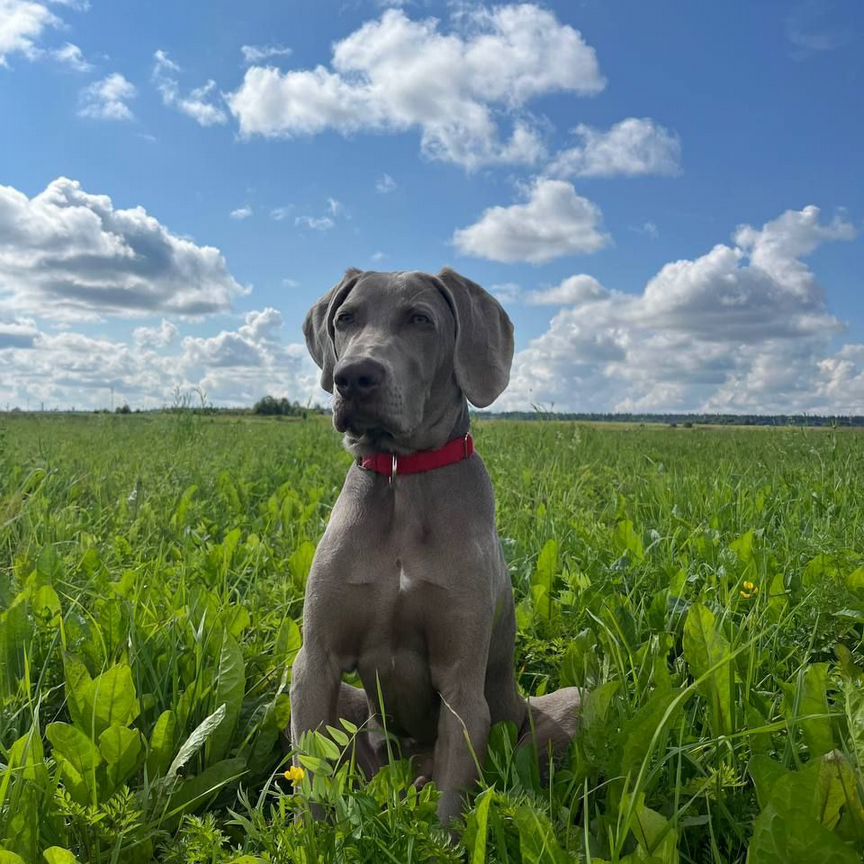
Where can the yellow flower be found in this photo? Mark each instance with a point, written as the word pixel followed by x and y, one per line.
pixel 295 774
pixel 751 589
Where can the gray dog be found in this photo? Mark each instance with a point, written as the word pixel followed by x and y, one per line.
pixel 409 586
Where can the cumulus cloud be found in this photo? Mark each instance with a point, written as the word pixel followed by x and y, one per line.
pixel 573 291
pixel 395 74
pixel 66 254
pixel 17 334
pixel 241 212
pixel 260 53
pixel 106 99
pixel 71 55
pixel 156 337
pixel 553 222
pixel 506 292
pixel 742 328
pixel 198 104
pixel 234 367
pixel 22 23
pixel 633 147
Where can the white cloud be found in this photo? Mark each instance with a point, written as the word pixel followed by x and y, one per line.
pixel 280 213
pixel 70 55
pixel 506 292
pixel 198 104
pixel 241 212
pixel 106 99
pixel 316 223
pixel 17 334
pixel 395 74
pixel 156 337
pixel 743 328
pixel 22 23
pixel 553 222
pixel 573 291
pixel 66 254
pixel 233 367
pixel 384 184
pixel 260 53
pixel 636 146
pixel 336 208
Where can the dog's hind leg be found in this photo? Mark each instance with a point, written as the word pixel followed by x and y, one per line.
pixel 551 724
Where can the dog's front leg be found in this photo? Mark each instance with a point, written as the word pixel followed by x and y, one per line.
pixel 463 720
pixel 315 682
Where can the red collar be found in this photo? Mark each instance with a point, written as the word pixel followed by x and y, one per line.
pixel 391 464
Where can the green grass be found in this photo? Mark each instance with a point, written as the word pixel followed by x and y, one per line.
pixel 151 580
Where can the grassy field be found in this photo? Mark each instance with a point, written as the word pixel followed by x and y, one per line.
pixel 705 585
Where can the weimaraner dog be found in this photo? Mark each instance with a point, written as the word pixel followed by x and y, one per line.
pixel 409 586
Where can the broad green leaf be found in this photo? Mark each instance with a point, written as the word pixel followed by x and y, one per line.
pixel 818 569
pixel 110 698
pixel 743 547
pixel 59 855
pixel 49 566
pixel 120 748
pixel 760 742
pixel 79 758
pixel 579 667
pixel 628 540
pixel 765 773
pixel 639 732
pixel 288 643
pixel 163 740
pixel 813 702
pixel 595 708
pixel 547 567
pixel 704 648
pixel 78 682
pixel 45 602
pixel 542 602
pixel 230 687
pixel 16 631
pixel 300 562
pixel 853 693
pixel 184 506
pixel 657 839
pixel 7 857
pixel 788 835
pixel 229 546
pixel 855 580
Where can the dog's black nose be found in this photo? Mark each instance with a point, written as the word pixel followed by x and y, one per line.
pixel 358 379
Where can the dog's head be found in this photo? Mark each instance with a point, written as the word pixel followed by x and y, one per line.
pixel 400 350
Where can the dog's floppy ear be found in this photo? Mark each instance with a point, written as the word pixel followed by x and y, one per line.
pixel 318 326
pixel 484 339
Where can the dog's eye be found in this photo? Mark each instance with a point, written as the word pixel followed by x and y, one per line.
pixel 420 318
pixel 343 319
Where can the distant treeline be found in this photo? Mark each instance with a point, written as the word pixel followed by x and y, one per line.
pixel 687 420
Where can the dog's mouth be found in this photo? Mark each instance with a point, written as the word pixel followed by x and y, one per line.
pixel 366 424
pixel 358 418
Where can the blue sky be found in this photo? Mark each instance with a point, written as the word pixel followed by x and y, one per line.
pixel 666 196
